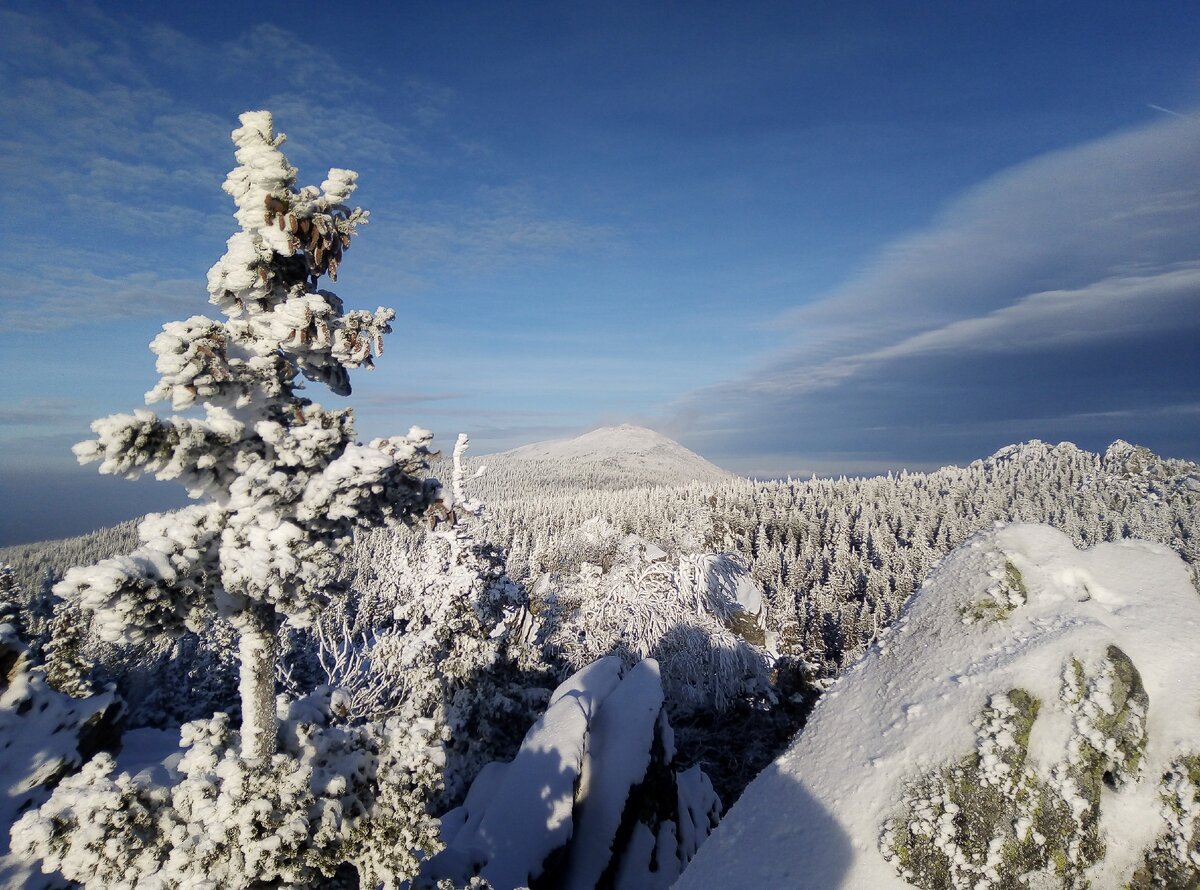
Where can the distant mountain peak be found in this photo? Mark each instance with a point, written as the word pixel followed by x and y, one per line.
pixel 622 454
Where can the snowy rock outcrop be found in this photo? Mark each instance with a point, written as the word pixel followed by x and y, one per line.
pixel 1033 720
pixel 1140 467
pixel 591 798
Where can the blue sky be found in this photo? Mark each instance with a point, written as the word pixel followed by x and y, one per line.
pixel 831 237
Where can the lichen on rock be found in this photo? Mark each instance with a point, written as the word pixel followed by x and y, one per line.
pixel 1174 860
pixel 995 820
pixel 981 822
pixel 1006 594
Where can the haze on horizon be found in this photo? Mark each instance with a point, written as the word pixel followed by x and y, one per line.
pixel 794 237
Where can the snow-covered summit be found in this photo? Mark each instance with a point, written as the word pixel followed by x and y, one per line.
pixel 1033 719
pixel 619 454
pixel 1032 451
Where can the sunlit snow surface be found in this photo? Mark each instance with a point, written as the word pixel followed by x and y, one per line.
pixel 813 818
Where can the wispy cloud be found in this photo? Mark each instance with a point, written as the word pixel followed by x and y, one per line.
pixel 40 413
pixel 1079 267
pixel 125 167
pixel 268 49
pixel 493 227
pixel 1165 110
pixel 385 400
pixel 74 297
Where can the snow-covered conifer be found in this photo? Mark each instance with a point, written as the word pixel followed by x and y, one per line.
pixel 67 667
pixel 10 591
pixel 282 482
pixel 282 486
pixel 41 610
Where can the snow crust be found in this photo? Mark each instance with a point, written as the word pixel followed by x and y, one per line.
pixel 813 818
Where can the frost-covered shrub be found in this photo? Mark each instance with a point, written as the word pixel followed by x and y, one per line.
pixel 452 650
pixel 703 620
pixel 332 794
pixel 399 832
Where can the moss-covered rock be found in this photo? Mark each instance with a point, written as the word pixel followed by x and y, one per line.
pixel 1007 594
pixel 1109 707
pixel 984 821
pixel 994 821
pixel 1174 861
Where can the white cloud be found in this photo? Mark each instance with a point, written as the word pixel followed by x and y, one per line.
pixel 1062 220
pixel 272 51
pixel 490 228
pixel 40 413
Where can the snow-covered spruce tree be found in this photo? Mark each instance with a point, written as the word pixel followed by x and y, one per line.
pixel 10 596
pixel 283 486
pixel 42 605
pixel 282 482
pixel 67 667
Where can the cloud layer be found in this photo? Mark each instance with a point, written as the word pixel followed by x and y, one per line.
pixel 1059 299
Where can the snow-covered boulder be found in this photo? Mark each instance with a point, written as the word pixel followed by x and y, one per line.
pixel 1032 720
pixel 591 798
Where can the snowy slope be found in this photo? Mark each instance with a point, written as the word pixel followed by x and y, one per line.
pixel 623 453
pixel 912 707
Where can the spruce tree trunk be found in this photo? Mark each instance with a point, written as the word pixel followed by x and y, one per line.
pixel 258 650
